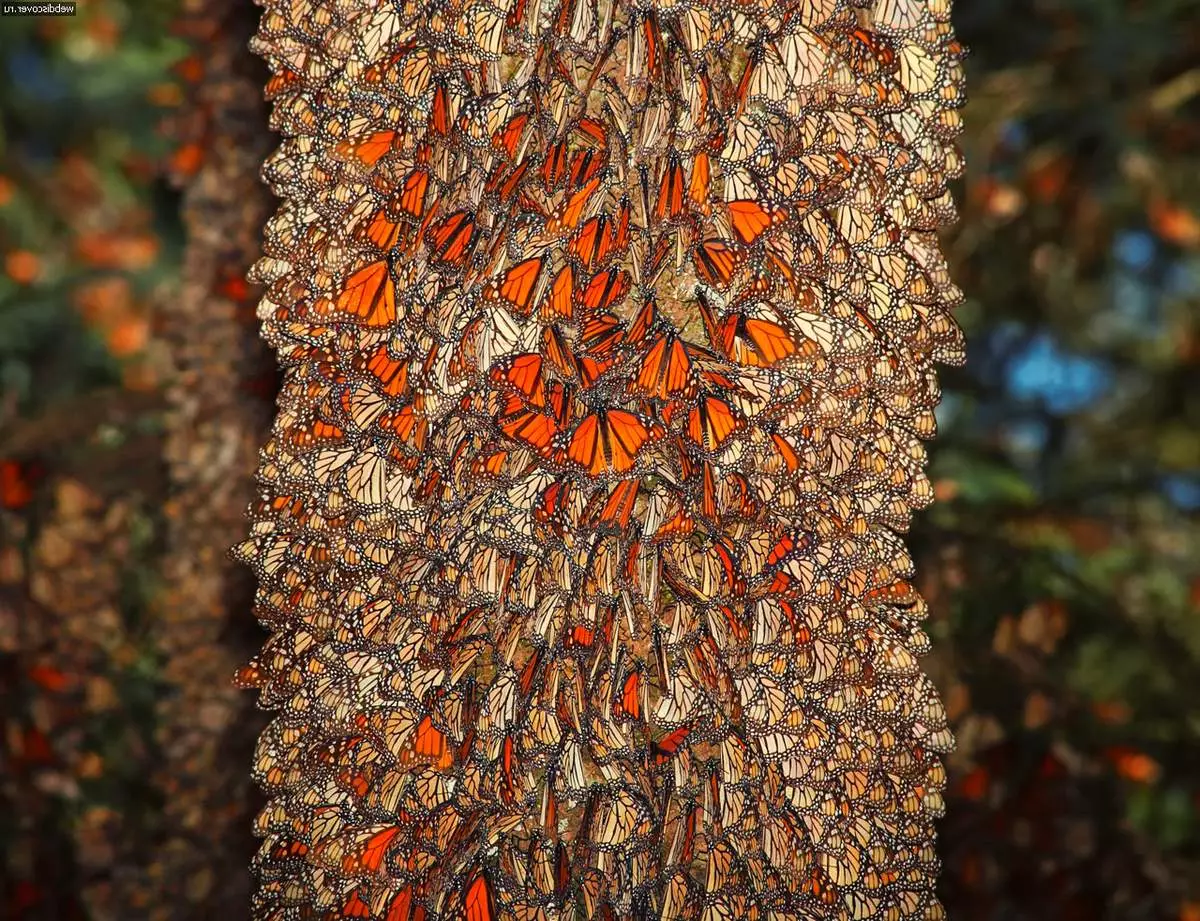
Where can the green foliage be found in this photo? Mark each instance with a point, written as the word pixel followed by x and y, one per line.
pixel 78 149
pixel 1069 451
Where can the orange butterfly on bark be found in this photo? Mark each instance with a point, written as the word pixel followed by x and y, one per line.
pixel 608 441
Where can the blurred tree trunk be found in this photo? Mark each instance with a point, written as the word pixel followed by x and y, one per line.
pixel 219 410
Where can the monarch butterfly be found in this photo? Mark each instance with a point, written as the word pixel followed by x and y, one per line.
pixel 700 182
pixel 572 212
pixel 554 503
pixel 365 852
pixel 504 182
pixel 412 194
pixel 618 507
pixel 554 167
pixel 369 150
pixel 630 704
pixel 508 139
pixel 600 336
pixel 751 220
pixel 443 113
pixel 669 745
pixel 770 342
pixel 534 428
pixel 711 421
pixel 716 263
pixel 670 192
pixel 391 373
pixel 561 301
pixel 592 242
pixel 370 295
pixel 382 231
pixel 524 374
pixel 518 287
pixel 605 290
pixel 453 238
pixel 559 354
pixel 407 424
pixel 585 164
pixel 665 370
pixel 608 441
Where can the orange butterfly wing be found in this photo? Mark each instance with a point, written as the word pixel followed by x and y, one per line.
pixel 790 458
pixel 708 493
pixel 698 187
pixel 558 353
pixel 553 504
pixel 608 441
pixel 664 369
pixel 561 302
pixel 479 901
pixel 618 237
pixel 408 424
pixel 355 907
pixel 715 263
pixel 504 182
pixel 430 742
pixel 572 213
pixel 626 434
pixel 631 700
pixel 371 150
pixel 590 128
pixel 400 906
pixel 510 135
pixel 601 334
pixel 584 165
pixel 519 284
pixel 587 242
pixel 555 165
pixel 370 858
pixel 653 46
pixel 643 322
pixel 711 422
pixel 618 507
pixel 413 193
pixel 750 220
pixel 383 231
pixel 454 238
pixel 490 464
pixel 585 448
pixel 370 295
pixel 670 193
pixel 279 82
pixel 533 428
pixel 524 373
pixel 606 289
pixel 770 339
pixel 439 118
pixel 391 373
pixel 668 746
pixel 786 272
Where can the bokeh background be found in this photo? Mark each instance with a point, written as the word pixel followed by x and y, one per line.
pixel 1062 561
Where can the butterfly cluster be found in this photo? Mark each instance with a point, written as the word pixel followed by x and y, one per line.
pixel 607 333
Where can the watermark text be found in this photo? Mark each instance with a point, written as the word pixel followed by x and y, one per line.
pixel 55 8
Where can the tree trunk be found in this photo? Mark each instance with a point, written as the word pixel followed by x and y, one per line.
pixel 607 334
